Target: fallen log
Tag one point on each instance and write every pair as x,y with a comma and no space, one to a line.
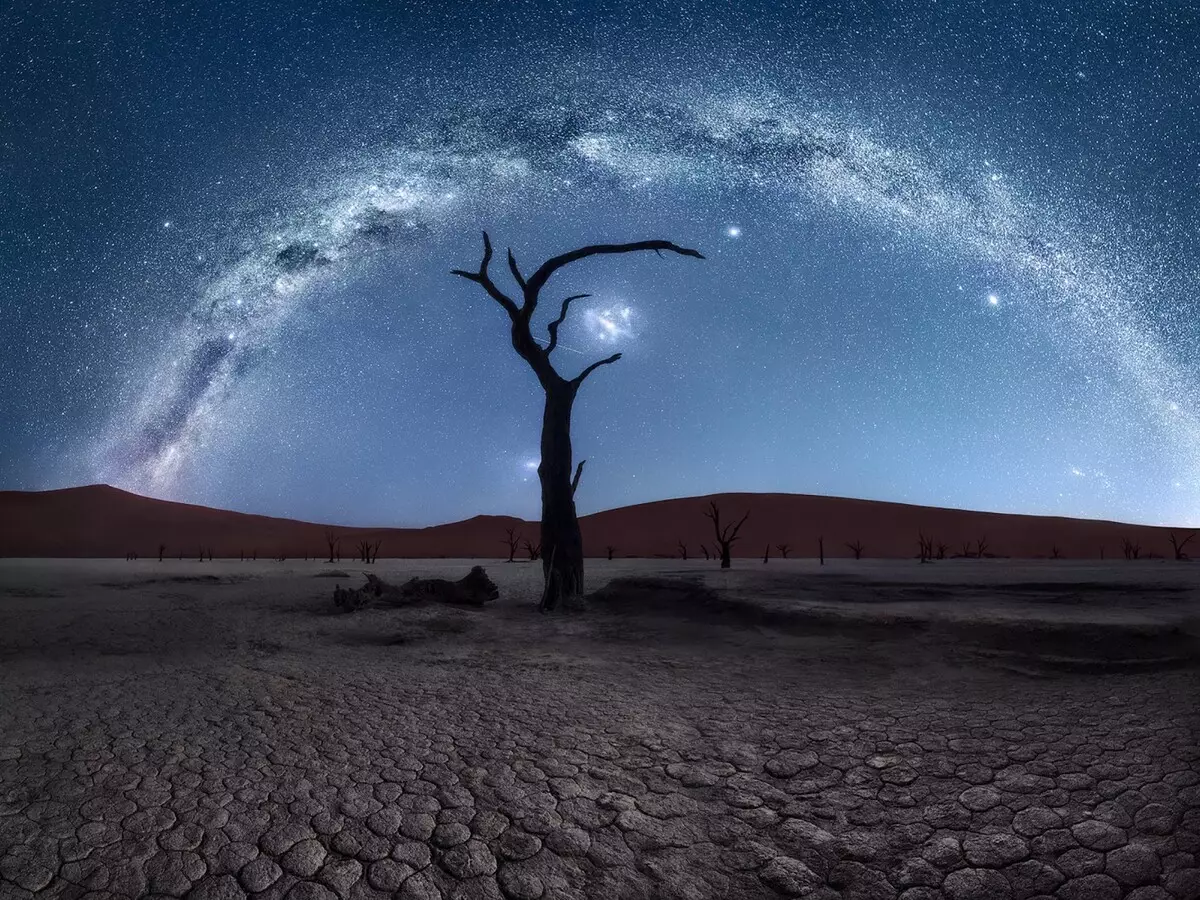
473,589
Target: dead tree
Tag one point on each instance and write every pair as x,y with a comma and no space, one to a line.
333,540
926,547
534,550
513,540
201,555
981,546
375,551
1055,553
704,550
941,551
1130,549
856,548
364,551
682,548
725,536
821,549
783,549
1178,545
767,554
610,550
162,548
561,538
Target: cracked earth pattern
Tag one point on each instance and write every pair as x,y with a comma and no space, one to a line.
591,769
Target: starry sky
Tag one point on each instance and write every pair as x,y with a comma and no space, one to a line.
951,254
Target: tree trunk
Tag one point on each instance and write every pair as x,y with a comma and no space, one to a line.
725,556
562,541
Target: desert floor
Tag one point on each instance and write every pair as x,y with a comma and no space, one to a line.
967,729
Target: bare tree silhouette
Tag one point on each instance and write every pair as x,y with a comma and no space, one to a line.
767,554
333,540
1055,553
513,540
725,536
1178,545
856,548
821,549
981,547
534,550
1130,549
783,549
162,548
561,539
926,547
610,550
682,548
941,550
704,550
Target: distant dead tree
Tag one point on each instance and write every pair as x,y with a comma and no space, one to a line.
821,549
210,554
767,554
242,555
1130,549
561,538
201,555
162,548
1055,553
1178,545
610,550
334,541
941,551
513,540
368,552
534,550
727,535
704,550
925,546
856,548
966,550
1102,551
783,549
682,548
981,547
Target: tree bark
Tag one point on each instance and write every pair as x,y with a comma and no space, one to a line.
562,540
724,556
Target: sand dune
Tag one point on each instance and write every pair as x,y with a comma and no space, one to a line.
100,521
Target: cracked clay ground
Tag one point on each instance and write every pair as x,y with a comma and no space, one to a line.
229,738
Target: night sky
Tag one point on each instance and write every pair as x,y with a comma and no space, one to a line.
952,254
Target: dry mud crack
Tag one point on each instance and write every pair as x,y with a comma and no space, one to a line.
599,755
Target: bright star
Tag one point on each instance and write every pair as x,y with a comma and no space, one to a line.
733,231
993,300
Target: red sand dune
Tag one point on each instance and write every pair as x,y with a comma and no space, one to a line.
99,521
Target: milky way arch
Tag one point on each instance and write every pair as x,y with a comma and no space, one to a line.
798,152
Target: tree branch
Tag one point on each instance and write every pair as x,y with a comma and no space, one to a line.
539,278
575,480
552,328
482,277
738,526
512,267
578,379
